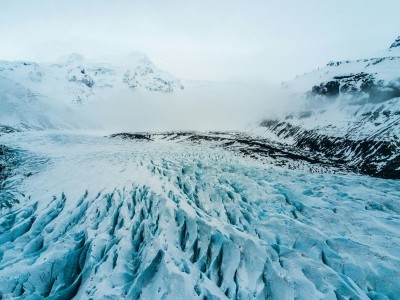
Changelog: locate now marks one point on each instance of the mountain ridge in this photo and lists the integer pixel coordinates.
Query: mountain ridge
(45, 95)
(396, 43)
(350, 109)
(82, 79)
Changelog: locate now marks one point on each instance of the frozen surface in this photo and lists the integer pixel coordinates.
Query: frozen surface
(103, 218)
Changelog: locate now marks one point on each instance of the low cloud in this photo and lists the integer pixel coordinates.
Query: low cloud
(201, 106)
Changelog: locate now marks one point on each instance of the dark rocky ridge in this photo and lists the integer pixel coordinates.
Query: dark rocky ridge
(8, 160)
(396, 43)
(132, 136)
(367, 156)
(358, 86)
(311, 151)
(363, 82)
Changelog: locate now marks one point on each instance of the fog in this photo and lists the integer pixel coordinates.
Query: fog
(201, 106)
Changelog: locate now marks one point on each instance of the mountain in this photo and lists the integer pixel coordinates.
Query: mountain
(350, 113)
(29, 90)
(80, 80)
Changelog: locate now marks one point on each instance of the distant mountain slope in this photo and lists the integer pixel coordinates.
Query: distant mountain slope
(351, 113)
(372, 80)
(30, 93)
(80, 80)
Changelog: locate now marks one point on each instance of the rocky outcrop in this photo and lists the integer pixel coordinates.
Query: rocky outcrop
(395, 44)
(367, 156)
(360, 86)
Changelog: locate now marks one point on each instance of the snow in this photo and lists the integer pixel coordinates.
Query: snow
(365, 106)
(79, 80)
(384, 68)
(108, 218)
(339, 119)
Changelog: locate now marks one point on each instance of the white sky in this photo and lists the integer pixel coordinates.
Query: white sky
(211, 40)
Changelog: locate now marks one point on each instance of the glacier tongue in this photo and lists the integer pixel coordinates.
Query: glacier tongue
(104, 218)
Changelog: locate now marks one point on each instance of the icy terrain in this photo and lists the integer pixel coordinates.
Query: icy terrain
(95, 217)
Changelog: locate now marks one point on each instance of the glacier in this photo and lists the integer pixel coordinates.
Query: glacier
(91, 216)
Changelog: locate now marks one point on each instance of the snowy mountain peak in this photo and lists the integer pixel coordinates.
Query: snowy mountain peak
(79, 81)
(74, 80)
(396, 43)
(75, 58)
(135, 58)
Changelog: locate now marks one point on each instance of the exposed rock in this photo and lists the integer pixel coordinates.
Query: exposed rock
(395, 44)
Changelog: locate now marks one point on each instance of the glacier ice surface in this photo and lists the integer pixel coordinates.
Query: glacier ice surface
(103, 218)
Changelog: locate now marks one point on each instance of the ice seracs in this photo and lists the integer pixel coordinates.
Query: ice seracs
(139, 218)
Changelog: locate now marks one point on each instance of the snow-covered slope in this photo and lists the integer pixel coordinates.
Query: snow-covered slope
(20, 103)
(41, 94)
(357, 99)
(371, 80)
(79, 80)
(149, 217)
(350, 111)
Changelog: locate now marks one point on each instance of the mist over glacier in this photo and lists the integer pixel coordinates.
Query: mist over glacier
(200, 106)
(130, 93)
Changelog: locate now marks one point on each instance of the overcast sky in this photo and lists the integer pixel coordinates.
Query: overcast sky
(210, 40)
